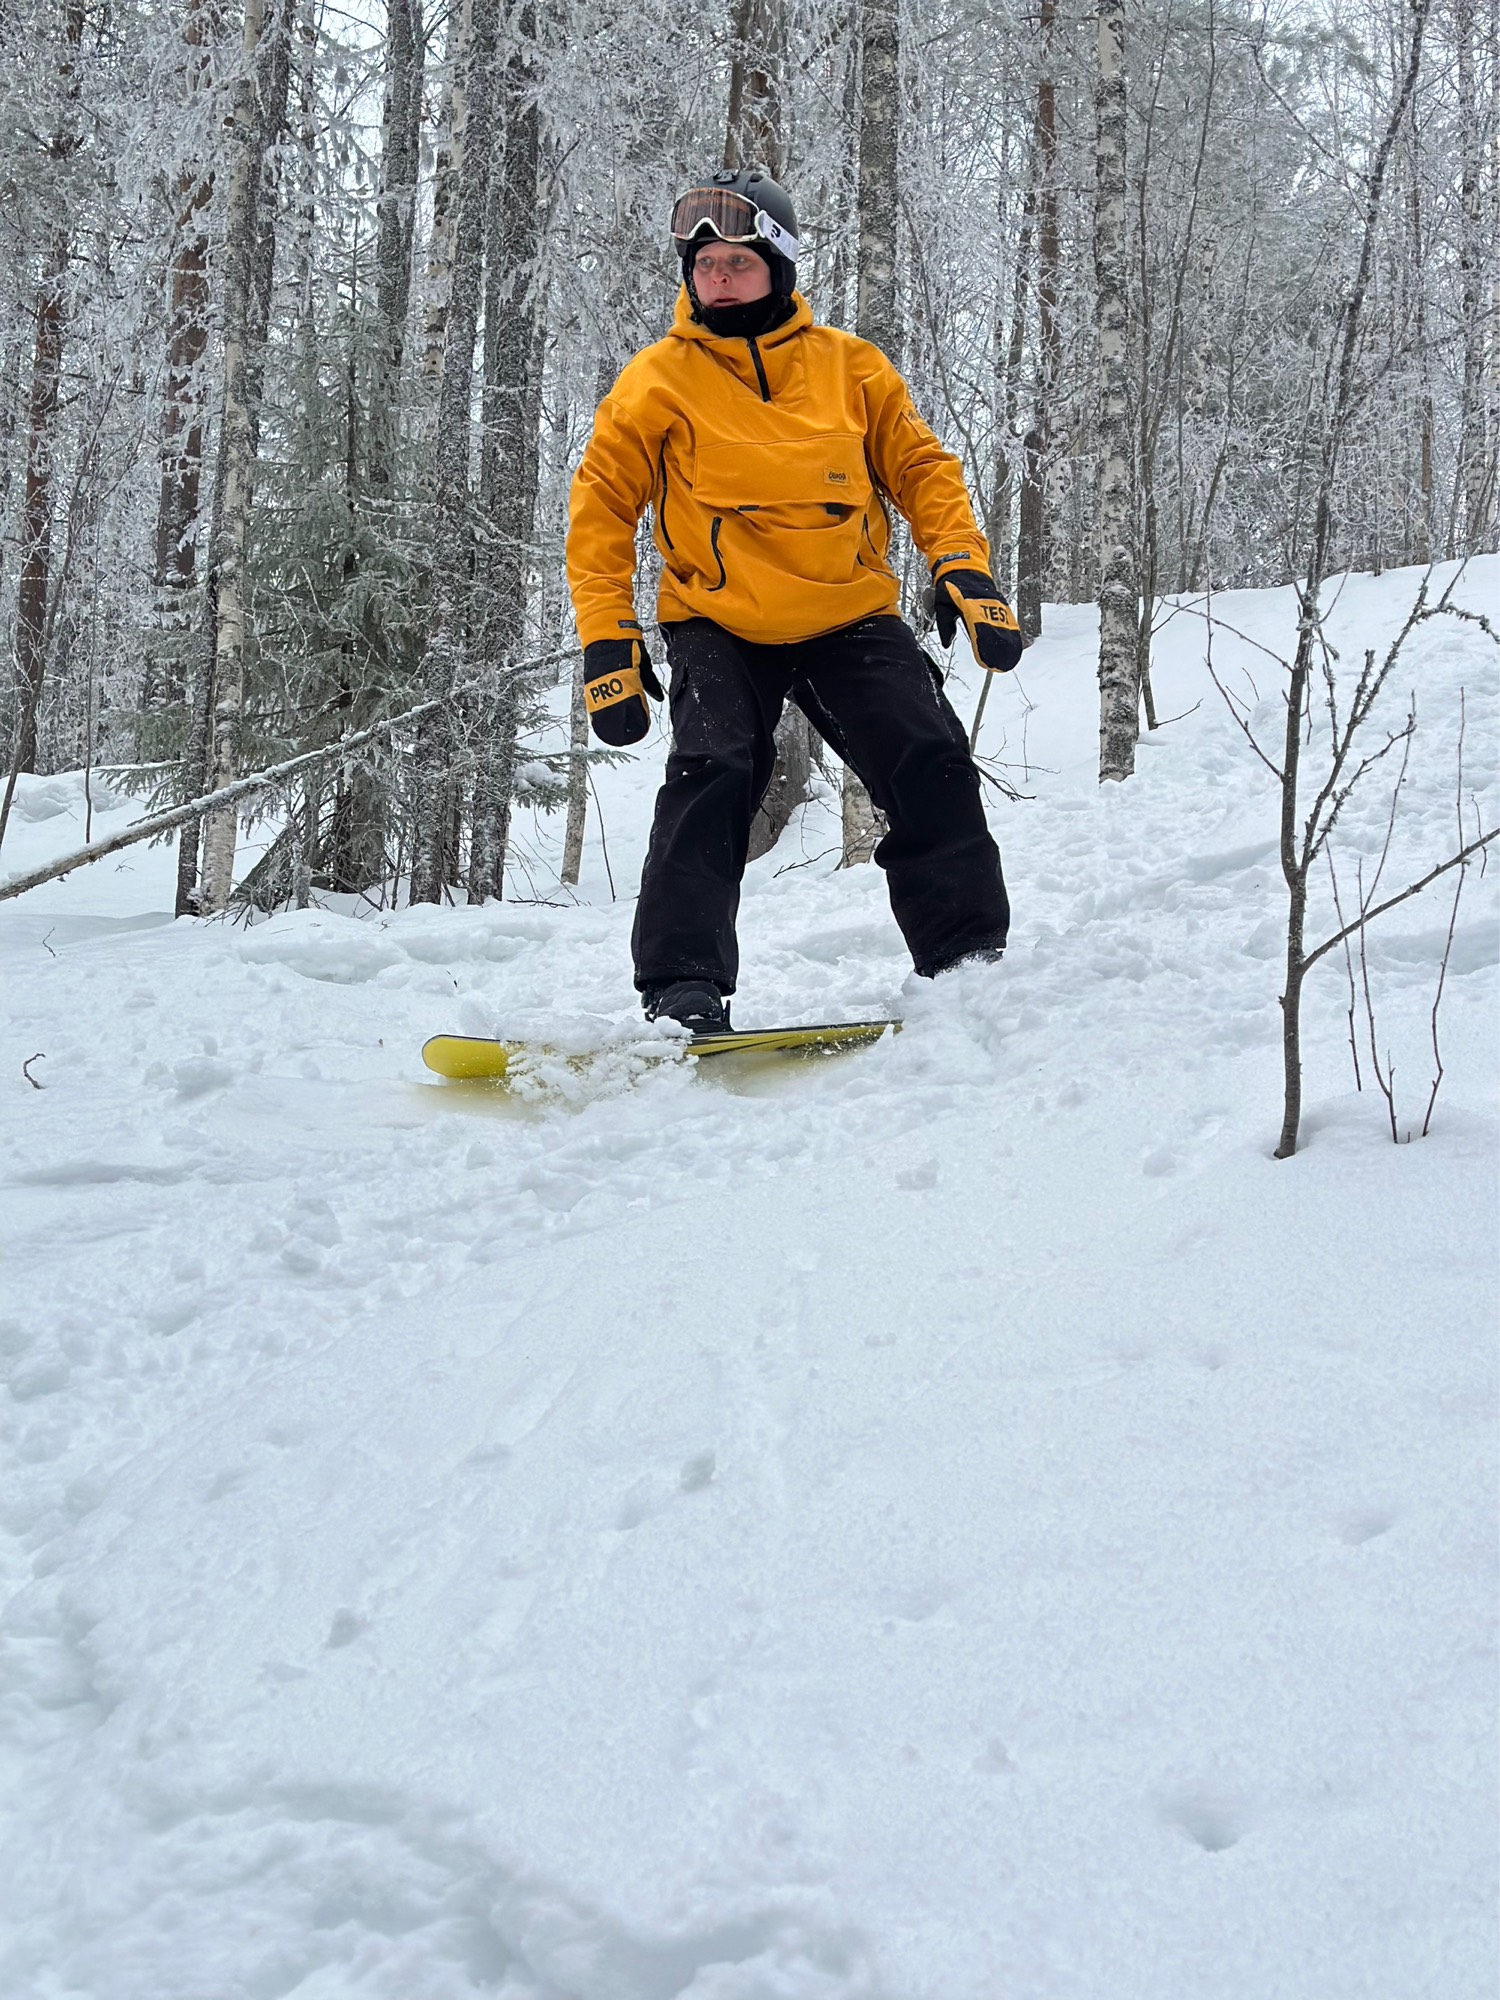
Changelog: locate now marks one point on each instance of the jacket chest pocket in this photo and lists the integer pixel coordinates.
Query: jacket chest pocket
(798, 478)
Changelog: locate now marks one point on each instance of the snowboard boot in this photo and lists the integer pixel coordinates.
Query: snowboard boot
(696, 1003)
(980, 954)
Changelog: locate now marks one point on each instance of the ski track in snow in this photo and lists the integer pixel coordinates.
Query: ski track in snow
(952, 1520)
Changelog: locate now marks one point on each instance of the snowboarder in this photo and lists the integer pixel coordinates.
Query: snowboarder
(770, 450)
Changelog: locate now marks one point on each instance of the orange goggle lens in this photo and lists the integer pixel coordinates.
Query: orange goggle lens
(730, 216)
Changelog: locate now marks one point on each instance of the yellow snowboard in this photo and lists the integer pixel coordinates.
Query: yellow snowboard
(465, 1058)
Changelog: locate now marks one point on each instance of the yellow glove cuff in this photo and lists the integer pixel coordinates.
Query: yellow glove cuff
(611, 689)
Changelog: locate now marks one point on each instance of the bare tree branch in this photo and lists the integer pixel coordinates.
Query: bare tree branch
(1465, 853)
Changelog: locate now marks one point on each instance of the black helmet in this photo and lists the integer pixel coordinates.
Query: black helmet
(742, 207)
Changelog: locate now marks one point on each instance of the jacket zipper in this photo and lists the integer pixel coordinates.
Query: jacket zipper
(713, 543)
(661, 512)
(760, 368)
(880, 568)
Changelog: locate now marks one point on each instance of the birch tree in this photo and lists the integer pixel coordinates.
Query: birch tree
(1119, 688)
(576, 823)
(1474, 476)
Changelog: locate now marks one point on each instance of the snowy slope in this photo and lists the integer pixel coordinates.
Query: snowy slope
(957, 1520)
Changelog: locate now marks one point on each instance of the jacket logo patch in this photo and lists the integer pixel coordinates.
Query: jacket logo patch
(837, 478)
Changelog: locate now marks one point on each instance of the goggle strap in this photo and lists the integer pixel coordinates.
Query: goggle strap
(768, 228)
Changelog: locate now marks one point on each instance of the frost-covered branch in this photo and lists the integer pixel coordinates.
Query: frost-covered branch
(210, 802)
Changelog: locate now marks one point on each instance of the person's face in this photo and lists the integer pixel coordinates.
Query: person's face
(730, 274)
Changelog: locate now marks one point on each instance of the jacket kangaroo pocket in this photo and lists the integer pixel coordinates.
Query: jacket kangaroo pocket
(797, 504)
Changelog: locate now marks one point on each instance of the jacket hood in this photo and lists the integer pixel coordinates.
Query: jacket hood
(685, 327)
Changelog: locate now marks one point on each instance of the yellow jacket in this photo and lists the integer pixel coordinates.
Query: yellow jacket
(768, 465)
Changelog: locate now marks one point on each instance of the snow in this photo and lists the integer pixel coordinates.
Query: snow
(957, 1519)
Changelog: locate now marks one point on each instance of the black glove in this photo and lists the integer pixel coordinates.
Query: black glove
(617, 677)
(993, 632)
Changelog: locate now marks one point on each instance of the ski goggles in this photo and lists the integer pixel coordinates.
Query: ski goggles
(732, 217)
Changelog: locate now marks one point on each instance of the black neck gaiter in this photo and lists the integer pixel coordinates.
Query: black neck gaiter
(748, 321)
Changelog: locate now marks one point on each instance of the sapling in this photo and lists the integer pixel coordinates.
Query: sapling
(1305, 841)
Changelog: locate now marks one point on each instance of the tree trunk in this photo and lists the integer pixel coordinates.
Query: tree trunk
(1119, 687)
(578, 781)
(175, 570)
(877, 311)
(433, 856)
(842, 194)
(448, 175)
(400, 161)
(757, 63)
(498, 721)
(41, 421)
(1036, 448)
(1007, 354)
(862, 826)
(356, 846)
(36, 515)
(1473, 485)
(249, 258)
(509, 458)
(789, 782)
(1426, 426)
(198, 748)
(1160, 369)
(754, 137)
(877, 315)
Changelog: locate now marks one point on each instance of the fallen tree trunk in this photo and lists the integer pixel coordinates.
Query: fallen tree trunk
(226, 795)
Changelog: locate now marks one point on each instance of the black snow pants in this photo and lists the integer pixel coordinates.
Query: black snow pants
(872, 695)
